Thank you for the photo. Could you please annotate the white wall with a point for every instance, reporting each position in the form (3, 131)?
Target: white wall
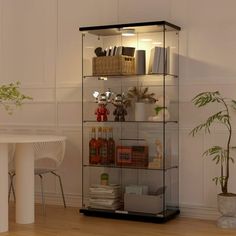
(40, 45)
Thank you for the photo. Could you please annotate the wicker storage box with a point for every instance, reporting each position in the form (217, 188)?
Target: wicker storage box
(113, 65)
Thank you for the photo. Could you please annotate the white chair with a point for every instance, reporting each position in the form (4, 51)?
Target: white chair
(54, 152)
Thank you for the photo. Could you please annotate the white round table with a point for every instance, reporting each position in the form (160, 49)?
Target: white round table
(24, 167)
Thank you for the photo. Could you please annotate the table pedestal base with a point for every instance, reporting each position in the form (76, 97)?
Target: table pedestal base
(24, 165)
(4, 188)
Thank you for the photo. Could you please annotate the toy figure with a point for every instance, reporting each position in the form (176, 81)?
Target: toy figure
(157, 161)
(159, 149)
(120, 111)
(102, 111)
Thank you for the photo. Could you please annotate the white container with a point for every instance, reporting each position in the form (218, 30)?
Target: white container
(140, 111)
(143, 203)
(136, 189)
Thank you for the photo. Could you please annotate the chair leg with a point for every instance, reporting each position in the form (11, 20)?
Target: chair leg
(11, 187)
(62, 192)
(42, 194)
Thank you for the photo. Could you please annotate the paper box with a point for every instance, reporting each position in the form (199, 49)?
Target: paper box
(143, 203)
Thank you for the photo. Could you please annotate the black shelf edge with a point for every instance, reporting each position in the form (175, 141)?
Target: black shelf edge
(130, 167)
(89, 28)
(132, 121)
(170, 214)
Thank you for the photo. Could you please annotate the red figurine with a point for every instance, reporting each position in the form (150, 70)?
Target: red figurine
(102, 111)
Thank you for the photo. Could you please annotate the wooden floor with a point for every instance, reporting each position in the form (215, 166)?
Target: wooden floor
(68, 222)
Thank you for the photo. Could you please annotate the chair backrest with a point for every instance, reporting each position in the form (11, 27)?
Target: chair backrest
(50, 150)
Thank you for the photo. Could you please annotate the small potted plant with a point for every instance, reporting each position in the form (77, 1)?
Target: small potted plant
(10, 96)
(221, 155)
(140, 96)
(162, 112)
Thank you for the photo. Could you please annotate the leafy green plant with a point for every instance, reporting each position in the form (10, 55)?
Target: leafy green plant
(221, 155)
(10, 96)
(140, 94)
(159, 108)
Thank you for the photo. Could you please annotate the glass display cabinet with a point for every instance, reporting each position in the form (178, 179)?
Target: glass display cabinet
(130, 121)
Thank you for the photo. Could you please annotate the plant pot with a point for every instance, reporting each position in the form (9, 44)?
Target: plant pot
(140, 111)
(227, 208)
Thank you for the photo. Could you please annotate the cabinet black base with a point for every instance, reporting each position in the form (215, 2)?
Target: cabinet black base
(160, 218)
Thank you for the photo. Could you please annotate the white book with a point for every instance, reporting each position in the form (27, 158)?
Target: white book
(160, 68)
(156, 64)
(154, 60)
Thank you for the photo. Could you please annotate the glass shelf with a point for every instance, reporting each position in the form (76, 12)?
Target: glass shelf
(103, 77)
(130, 167)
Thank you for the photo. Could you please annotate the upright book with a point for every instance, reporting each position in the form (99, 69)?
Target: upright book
(158, 61)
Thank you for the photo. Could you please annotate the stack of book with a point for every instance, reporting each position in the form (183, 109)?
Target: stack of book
(104, 196)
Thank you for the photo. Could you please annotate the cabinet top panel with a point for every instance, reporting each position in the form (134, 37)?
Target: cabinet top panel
(142, 27)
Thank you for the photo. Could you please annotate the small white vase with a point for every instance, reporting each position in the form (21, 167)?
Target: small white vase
(140, 111)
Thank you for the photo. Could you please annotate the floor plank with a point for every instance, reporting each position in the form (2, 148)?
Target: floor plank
(60, 222)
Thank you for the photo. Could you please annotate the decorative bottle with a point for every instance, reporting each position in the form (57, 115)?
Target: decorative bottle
(99, 143)
(111, 147)
(93, 148)
(104, 147)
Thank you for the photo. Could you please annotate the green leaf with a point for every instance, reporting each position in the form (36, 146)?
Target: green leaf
(234, 104)
(205, 98)
(158, 109)
(10, 96)
(215, 179)
(219, 116)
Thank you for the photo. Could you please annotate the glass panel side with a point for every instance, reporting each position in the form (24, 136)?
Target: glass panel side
(171, 139)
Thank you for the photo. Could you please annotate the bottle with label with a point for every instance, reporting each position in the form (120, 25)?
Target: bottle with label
(104, 147)
(99, 143)
(93, 148)
(111, 147)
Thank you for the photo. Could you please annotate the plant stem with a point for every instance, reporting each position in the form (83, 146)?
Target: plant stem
(224, 184)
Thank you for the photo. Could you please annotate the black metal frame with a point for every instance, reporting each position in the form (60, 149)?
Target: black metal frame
(152, 23)
(134, 216)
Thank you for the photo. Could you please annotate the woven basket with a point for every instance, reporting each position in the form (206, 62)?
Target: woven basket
(113, 65)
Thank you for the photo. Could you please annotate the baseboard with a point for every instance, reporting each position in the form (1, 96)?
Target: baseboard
(186, 210)
(199, 212)
(72, 200)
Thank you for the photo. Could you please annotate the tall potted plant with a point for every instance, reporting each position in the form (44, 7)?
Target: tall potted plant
(221, 155)
(11, 97)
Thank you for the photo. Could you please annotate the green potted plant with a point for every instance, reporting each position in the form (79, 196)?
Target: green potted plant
(221, 155)
(140, 97)
(10, 96)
